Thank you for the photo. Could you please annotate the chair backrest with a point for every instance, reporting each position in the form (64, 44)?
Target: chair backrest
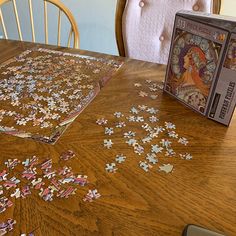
(144, 27)
(61, 9)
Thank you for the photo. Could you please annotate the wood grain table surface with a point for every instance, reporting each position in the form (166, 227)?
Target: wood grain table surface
(201, 191)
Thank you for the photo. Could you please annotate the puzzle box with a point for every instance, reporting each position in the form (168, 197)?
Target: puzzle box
(201, 71)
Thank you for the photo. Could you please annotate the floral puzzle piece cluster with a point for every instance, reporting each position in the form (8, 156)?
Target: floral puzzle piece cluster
(42, 91)
(33, 175)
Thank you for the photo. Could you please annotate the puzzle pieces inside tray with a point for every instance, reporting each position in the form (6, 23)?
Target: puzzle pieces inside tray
(42, 91)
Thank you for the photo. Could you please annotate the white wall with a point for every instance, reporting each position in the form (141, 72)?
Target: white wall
(228, 7)
(95, 19)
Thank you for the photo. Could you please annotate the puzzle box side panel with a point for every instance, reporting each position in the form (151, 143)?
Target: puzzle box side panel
(194, 60)
(224, 99)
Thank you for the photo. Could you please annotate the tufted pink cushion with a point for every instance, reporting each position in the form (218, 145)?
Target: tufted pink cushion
(147, 26)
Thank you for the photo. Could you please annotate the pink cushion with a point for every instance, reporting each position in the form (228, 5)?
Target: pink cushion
(147, 26)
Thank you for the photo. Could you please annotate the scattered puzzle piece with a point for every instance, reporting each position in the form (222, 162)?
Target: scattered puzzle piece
(107, 143)
(4, 204)
(120, 158)
(145, 166)
(167, 168)
(169, 125)
(111, 167)
(143, 94)
(152, 158)
(30, 162)
(3, 175)
(67, 155)
(109, 131)
(118, 114)
(11, 183)
(101, 121)
(65, 193)
(7, 226)
(183, 141)
(92, 195)
(29, 173)
(12, 163)
(82, 180)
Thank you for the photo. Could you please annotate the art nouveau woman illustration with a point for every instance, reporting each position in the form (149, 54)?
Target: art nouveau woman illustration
(193, 64)
(194, 61)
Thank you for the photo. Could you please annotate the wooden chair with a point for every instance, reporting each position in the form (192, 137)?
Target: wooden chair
(61, 8)
(130, 41)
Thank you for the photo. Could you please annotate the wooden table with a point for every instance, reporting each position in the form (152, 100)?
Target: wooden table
(201, 191)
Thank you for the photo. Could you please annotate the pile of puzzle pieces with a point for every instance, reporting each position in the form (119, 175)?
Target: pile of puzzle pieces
(158, 141)
(39, 176)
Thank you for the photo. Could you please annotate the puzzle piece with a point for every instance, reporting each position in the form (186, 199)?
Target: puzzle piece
(147, 139)
(139, 119)
(138, 149)
(118, 114)
(29, 173)
(131, 118)
(17, 193)
(30, 162)
(186, 156)
(4, 204)
(3, 175)
(183, 141)
(7, 226)
(153, 96)
(101, 121)
(167, 168)
(156, 149)
(137, 85)
(120, 158)
(152, 110)
(109, 131)
(111, 168)
(159, 129)
(11, 183)
(147, 127)
(165, 143)
(151, 157)
(107, 143)
(48, 173)
(142, 94)
(12, 163)
(65, 193)
(92, 195)
(145, 166)
(46, 194)
(170, 152)
(129, 134)
(153, 119)
(172, 134)
(25, 191)
(64, 171)
(46, 164)
(120, 124)
(142, 107)
(132, 142)
(134, 110)
(37, 183)
(169, 125)
(69, 154)
(82, 180)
